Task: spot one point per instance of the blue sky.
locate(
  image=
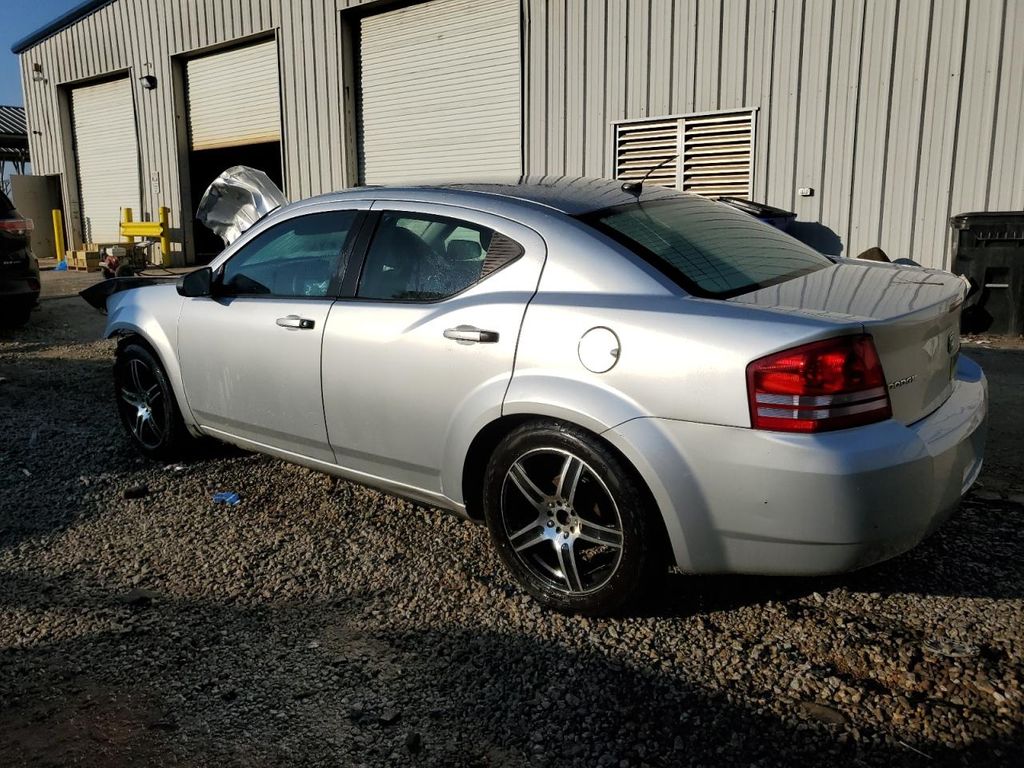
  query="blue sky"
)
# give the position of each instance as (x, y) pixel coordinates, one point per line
(20, 17)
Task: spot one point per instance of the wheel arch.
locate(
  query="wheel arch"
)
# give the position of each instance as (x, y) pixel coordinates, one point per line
(490, 436)
(152, 336)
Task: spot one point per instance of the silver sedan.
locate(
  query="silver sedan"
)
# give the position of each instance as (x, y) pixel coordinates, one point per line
(616, 380)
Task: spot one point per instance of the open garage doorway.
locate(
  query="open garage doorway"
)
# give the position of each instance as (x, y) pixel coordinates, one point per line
(207, 164)
(234, 118)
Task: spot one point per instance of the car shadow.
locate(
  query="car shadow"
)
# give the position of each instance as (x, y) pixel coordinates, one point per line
(52, 437)
(976, 554)
(681, 595)
(1004, 459)
(62, 439)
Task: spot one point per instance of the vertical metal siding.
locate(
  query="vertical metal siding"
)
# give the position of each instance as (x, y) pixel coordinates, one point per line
(939, 125)
(781, 120)
(557, 84)
(809, 132)
(870, 130)
(758, 89)
(638, 62)
(910, 68)
(140, 36)
(1006, 188)
(595, 136)
(898, 113)
(659, 84)
(576, 117)
(734, 55)
(980, 88)
(709, 52)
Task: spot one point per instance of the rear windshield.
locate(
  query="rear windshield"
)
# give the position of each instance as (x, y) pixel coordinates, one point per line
(707, 248)
(6, 206)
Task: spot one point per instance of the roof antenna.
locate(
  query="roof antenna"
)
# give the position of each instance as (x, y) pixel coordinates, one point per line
(636, 187)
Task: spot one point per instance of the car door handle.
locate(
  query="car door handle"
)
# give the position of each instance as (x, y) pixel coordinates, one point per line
(294, 321)
(470, 335)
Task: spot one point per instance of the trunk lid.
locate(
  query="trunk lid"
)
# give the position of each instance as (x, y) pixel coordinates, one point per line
(913, 314)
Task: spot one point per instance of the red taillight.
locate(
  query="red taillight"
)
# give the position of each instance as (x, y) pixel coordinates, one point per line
(16, 226)
(832, 384)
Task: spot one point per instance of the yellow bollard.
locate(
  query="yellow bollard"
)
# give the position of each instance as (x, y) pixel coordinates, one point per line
(165, 235)
(58, 234)
(126, 218)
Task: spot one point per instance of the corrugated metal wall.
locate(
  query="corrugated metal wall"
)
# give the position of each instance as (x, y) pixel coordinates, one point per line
(898, 113)
(142, 35)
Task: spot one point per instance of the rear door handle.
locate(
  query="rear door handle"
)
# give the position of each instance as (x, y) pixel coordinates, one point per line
(467, 334)
(296, 322)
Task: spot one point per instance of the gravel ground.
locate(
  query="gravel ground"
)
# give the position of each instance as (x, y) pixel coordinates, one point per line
(320, 623)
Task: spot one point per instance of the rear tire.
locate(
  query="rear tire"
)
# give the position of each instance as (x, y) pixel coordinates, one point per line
(570, 520)
(146, 405)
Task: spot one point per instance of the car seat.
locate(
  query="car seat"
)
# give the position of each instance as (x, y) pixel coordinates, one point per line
(392, 264)
(465, 259)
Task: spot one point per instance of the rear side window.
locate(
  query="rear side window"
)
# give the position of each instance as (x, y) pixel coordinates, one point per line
(419, 257)
(6, 206)
(707, 248)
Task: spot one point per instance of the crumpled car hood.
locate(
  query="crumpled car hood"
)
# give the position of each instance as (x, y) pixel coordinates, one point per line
(236, 200)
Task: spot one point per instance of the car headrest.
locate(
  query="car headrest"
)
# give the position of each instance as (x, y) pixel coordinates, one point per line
(463, 250)
(401, 246)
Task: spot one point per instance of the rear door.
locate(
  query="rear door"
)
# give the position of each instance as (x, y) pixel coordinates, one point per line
(424, 341)
(250, 354)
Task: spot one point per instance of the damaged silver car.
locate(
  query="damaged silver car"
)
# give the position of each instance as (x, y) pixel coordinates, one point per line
(616, 380)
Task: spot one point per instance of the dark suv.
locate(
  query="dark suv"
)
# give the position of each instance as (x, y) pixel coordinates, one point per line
(19, 269)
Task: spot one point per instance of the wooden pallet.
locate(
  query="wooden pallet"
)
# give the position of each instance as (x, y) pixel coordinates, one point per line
(84, 261)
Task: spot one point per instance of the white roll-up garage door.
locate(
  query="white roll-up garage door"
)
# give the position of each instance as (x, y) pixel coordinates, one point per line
(107, 155)
(440, 84)
(234, 98)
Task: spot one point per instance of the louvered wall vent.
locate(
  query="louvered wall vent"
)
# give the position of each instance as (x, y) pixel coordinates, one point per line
(711, 154)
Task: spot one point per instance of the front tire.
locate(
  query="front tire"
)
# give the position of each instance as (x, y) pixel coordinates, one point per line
(146, 404)
(570, 520)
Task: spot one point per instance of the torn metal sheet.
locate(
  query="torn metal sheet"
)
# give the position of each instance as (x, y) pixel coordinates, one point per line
(236, 200)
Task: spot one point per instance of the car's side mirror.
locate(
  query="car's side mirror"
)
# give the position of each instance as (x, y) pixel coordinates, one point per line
(196, 283)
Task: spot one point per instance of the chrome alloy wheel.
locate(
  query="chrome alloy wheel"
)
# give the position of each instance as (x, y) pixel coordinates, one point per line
(561, 520)
(141, 402)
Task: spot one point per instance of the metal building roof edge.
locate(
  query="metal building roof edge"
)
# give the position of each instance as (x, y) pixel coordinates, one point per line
(59, 24)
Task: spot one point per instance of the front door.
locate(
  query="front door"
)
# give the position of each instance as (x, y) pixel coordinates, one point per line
(428, 339)
(250, 354)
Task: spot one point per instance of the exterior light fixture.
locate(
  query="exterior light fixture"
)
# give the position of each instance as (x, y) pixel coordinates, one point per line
(148, 82)
(37, 73)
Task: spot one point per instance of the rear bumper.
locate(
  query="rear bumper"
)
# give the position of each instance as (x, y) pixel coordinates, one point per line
(20, 286)
(746, 501)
